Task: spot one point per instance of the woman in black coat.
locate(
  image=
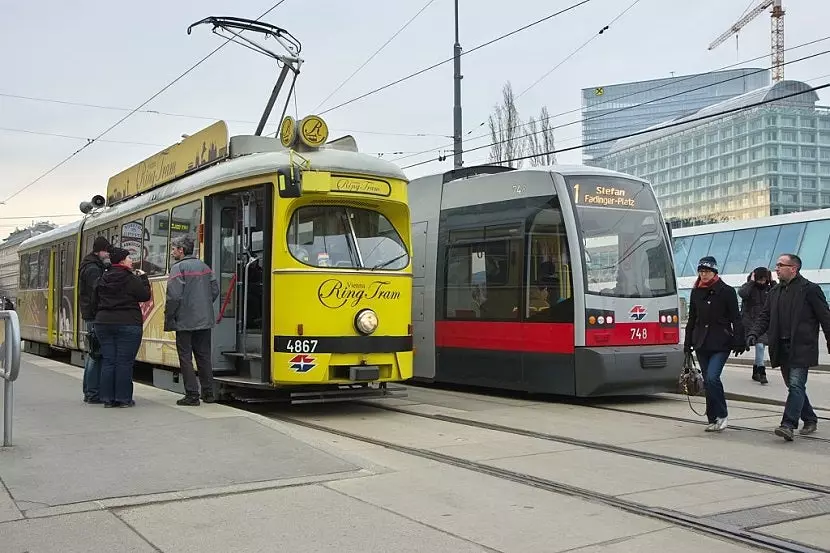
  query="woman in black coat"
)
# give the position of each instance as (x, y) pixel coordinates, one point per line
(754, 295)
(713, 330)
(119, 326)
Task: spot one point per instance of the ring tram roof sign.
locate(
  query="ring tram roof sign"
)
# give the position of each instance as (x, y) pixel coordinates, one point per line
(203, 149)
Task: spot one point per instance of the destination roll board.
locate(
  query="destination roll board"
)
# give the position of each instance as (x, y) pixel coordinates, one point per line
(610, 192)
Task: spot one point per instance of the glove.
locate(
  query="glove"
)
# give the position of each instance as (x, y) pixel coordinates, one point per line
(739, 350)
(751, 341)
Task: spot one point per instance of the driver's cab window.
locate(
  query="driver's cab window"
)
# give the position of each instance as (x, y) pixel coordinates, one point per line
(549, 283)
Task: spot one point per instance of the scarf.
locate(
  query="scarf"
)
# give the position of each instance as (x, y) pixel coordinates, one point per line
(700, 284)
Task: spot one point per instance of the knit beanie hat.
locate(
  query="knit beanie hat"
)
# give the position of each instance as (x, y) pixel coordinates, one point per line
(709, 263)
(101, 244)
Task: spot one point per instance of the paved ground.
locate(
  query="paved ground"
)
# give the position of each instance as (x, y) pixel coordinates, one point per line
(165, 478)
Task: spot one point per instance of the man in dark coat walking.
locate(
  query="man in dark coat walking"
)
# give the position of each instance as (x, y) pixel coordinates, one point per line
(791, 317)
(92, 267)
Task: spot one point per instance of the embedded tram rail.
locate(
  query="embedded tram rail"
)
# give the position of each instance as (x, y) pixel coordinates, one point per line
(705, 526)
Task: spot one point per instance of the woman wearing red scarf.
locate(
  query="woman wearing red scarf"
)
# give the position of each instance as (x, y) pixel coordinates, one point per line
(713, 330)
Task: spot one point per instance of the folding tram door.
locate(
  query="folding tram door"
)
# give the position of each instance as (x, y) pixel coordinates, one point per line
(237, 236)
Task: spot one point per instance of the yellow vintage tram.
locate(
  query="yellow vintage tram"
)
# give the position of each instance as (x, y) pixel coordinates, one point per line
(310, 241)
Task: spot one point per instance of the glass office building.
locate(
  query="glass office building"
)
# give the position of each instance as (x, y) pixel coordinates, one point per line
(616, 110)
(767, 160)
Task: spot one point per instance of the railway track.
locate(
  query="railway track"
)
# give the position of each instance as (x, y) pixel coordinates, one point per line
(712, 528)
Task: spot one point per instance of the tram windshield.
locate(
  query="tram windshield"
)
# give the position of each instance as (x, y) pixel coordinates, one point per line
(347, 237)
(625, 246)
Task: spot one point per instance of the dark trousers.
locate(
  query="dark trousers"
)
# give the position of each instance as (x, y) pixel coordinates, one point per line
(195, 343)
(798, 404)
(711, 365)
(92, 364)
(119, 346)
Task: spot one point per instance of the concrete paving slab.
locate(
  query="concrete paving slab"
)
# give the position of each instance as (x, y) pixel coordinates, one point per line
(201, 453)
(736, 380)
(752, 451)
(505, 516)
(404, 429)
(676, 540)
(470, 401)
(717, 497)
(662, 405)
(306, 519)
(8, 509)
(514, 446)
(76, 533)
(605, 472)
(811, 531)
(586, 424)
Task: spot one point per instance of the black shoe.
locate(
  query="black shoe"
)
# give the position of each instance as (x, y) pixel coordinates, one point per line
(130, 403)
(189, 401)
(784, 432)
(110, 404)
(762, 376)
(809, 428)
(756, 373)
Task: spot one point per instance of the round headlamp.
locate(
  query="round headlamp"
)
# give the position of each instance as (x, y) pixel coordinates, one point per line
(366, 321)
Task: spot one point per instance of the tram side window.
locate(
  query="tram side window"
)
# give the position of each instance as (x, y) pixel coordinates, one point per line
(186, 219)
(549, 294)
(483, 274)
(131, 235)
(69, 272)
(24, 271)
(43, 268)
(154, 250)
(33, 271)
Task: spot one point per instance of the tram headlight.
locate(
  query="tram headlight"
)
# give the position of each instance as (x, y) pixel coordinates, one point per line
(366, 321)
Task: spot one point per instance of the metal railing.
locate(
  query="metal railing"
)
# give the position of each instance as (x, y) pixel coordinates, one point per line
(10, 368)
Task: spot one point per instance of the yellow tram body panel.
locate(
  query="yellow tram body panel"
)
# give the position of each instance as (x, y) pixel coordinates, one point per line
(314, 308)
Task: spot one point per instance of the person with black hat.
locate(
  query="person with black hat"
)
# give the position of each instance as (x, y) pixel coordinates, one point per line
(754, 295)
(713, 330)
(91, 268)
(119, 326)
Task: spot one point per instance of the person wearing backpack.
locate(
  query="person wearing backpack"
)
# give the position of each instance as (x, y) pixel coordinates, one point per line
(754, 294)
(713, 330)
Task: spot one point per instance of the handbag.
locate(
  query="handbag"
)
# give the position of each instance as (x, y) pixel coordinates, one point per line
(690, 381)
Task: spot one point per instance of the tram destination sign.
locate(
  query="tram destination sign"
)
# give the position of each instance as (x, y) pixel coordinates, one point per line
(611, 193)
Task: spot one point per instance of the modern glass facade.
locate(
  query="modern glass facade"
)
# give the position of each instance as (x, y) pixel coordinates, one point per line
(757, 162)
(617, 110)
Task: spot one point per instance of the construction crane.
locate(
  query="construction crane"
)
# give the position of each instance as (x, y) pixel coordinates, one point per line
(777, 34)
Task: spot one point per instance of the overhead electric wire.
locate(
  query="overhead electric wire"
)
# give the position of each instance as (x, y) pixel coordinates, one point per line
(56, 135)
(439, 64)
(370, 58)
(117, 123)
(638, 93)
(654, 129)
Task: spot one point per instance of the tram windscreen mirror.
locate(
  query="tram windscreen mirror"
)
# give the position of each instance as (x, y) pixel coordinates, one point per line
(287, 187)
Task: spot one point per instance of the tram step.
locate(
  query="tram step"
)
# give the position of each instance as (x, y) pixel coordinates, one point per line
(239, 354)
(242, 381)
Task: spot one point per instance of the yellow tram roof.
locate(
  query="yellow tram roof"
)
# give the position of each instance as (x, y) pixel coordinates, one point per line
(247, 156)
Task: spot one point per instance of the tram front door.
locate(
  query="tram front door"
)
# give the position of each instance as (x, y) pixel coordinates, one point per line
(239, 244)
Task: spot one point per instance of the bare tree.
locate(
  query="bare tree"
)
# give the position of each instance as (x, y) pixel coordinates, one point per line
(506, 131)
(539, 140)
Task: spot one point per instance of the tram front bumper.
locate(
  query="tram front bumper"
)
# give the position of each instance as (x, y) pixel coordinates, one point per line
(630, 370)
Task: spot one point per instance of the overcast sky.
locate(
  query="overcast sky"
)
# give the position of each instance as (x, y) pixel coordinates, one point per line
(118, 54)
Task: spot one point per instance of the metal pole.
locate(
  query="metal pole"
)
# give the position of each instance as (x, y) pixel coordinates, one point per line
(8, 404)
(459, 162)
(270, 105)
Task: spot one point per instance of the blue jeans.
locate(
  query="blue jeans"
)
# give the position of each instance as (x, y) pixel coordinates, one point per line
(759, 355)
(711, 365)
(119, 346)
(92, 366)
(798, 405)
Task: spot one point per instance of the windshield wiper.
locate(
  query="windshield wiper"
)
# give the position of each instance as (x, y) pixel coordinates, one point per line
(387, 263)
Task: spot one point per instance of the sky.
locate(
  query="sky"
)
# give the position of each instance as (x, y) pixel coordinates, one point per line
(117, 55)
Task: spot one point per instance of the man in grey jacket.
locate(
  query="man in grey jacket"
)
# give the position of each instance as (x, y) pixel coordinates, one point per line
(191, 290)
